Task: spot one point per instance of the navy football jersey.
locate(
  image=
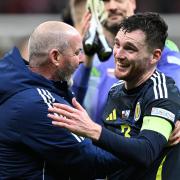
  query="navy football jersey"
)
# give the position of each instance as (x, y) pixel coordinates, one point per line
(124, 112)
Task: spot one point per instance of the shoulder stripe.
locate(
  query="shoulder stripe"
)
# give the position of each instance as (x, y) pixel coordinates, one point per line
(117, 83)
(78, 138)
(49, 100)
(164, 85)
(159, 88)
(154, 87)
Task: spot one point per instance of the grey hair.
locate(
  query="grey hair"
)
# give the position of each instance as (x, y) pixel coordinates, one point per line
(40, 43)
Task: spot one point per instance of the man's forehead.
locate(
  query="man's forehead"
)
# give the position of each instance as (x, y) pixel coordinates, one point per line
(76, 45)
(137, 37)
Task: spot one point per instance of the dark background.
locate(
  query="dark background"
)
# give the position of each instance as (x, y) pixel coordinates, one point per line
(57, 6)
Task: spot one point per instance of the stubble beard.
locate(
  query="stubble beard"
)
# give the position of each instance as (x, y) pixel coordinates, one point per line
(66, 75)
(63, 76)
(111, 27)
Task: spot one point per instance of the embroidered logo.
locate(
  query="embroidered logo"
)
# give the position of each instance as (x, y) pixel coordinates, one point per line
(112, 116)
(137, 113)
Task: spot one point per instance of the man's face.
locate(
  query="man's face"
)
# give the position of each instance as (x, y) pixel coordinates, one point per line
(71, 58)
(132, 58)
(116, 11)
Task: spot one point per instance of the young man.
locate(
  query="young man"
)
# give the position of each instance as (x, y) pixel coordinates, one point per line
(96, 77)
(140, 111)
(30, 146)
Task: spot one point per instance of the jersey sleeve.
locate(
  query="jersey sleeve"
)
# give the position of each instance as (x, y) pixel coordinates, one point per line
(159, 115)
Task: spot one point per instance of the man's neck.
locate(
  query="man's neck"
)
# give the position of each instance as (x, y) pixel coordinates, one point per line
(138, 81)
(42, 71)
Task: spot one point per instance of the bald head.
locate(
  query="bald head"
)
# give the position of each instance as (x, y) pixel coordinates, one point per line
(48, 35)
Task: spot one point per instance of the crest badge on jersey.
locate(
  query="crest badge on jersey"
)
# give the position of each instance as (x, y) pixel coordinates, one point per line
(137, 113)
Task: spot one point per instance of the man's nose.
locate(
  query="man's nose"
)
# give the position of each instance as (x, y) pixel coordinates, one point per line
(111, 5)
(119, 53)
(82, 58)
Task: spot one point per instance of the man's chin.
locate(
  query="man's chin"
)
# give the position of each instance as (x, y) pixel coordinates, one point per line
(120, 75)
(112, 27)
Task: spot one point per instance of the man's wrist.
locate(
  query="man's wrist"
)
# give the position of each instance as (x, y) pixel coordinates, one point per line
(95, 133)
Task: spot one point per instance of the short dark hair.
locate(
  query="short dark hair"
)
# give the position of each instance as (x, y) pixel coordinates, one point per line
(151, 24)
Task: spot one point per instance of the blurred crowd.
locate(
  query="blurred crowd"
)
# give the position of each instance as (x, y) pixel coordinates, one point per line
(62, 8)
(33, 6)
(56, 6)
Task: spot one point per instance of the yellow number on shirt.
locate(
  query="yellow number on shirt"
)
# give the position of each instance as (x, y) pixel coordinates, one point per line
(125, 129)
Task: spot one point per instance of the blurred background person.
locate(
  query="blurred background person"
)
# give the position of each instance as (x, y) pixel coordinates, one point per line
(30, 14)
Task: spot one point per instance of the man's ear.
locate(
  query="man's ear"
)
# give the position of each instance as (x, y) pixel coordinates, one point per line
(54, 56)
(156, 56)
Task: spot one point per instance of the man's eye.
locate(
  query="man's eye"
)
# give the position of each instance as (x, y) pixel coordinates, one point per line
(116, 44)
(130, 49)
(79, 52)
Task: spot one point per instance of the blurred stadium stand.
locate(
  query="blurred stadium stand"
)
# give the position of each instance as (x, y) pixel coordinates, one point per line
(18, 18)
(14, 27)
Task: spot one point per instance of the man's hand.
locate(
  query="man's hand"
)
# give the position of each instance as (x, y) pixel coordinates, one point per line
(74, 119)
(85, 23)
(175, 136)
(83, 29)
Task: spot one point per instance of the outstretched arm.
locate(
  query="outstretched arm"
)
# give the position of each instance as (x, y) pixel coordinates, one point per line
(143, 150)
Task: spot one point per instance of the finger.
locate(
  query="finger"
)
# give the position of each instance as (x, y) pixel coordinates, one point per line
(87, 16)
(85, 23)
(58, 123)
(62, 112)
(172, 139)
(53, 110)
(174, 136)
(174, 142)
(77, 105)
(176, 131)
(177, 125)
(177, 128)
(85, 28)
(60, 119)
(64, 107)
(61, 122)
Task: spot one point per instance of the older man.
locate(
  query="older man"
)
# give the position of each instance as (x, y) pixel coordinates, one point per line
(30, 146)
